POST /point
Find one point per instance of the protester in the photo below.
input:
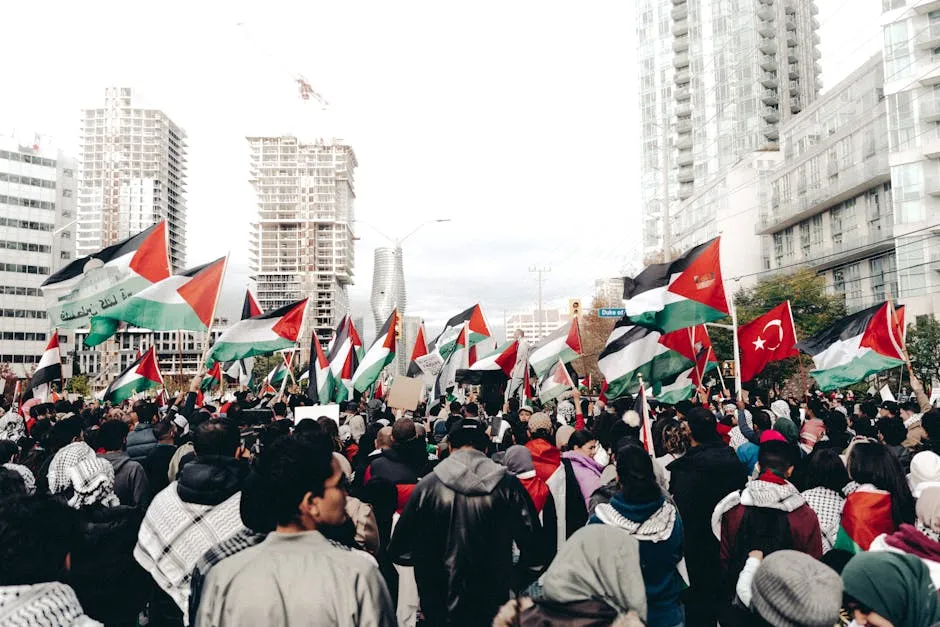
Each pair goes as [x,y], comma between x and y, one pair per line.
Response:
[401,464]
[259,585]
[458,530]
[142,440]
[157,462]
[791,589]
[890,589]
[587,471]
[925,472]
[823,483]
[892,433]
[642,511]
[922,540]
[518,461]
[701,478]
[130,480]
[748,451]
[193,514]
[545,455]
[911,416]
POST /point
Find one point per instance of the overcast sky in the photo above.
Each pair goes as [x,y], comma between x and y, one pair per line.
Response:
[516,120]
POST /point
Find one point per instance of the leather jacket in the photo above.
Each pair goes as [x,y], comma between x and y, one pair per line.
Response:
[458,531]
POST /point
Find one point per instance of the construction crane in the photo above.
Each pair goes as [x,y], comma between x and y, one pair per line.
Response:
[306,89]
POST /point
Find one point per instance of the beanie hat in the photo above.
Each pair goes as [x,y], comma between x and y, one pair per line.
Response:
[925,472]
[563,435]
[540,422]
[771,436]
[793,589]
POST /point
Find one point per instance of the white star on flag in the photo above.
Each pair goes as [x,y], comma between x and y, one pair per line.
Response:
[759,343]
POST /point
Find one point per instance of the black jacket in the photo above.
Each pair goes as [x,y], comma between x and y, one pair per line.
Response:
[211,479]
[157,466]
[458,530]
[110,584]
[141,441]
[699,480]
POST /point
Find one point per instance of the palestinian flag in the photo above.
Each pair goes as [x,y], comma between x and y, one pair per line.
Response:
[694,344]
[250,307]
[633,352]
[48,370]
[679,294]
[269,332]
[556,383]
[602,397]
[276,376]
[381,354]
[80,290]
[420,350]
[865,516]
[213,378]
[477,331]
[456,361]
[564,344]
[319,376]
[856,347]
[680,388]
[143,374]
[185,301]
[495,367]
[344,359]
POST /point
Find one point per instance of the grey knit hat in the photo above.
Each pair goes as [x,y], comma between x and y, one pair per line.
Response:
[793,589]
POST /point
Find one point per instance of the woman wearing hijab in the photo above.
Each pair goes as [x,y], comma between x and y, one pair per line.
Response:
[518,461]
[593,581]
[110,585]
[580,454]
[890,589]
[922,539]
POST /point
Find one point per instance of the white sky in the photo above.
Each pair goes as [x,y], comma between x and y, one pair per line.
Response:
[517,120]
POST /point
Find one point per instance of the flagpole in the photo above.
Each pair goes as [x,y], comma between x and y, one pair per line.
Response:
[698,374]
[799,353]
[721,377]
[737,349]
[218,293]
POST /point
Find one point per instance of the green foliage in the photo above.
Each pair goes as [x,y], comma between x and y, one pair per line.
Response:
[923,345]
[80,385]
[263,365]
[813,310]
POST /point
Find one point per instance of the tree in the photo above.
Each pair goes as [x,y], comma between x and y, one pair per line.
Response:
[594,333]
[264,364]
[923,345]
[9,378]
[80,385]
[813,310]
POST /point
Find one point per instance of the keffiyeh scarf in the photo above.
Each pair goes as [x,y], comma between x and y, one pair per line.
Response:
[28,479]
[42,605]
[656,528]
[777,495]
[91,478]
[12,426]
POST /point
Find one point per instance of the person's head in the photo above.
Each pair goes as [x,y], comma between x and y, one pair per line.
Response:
[872,463]
[930,421]
[525,412]
[518,460]
[280,410]
[540,426]
[383,439]
[635,472]
[702,426]
[824,468]
[11,483]
[513,404]
[216,438]
[8,450]
[468,433]
[471,410]
[583,443]
[329,427]
[404,430]
[308,488]
[64,432]
[165,431]
[63,406]
[675,436]
[884,588]
[455,407]
[562,434]
[928,511]
[909,409]
[145,411]
[891,431]
[112,435]
[778,458]
[888,409]
[763,420]
[683,408]
[815,409]
[791,588]
[38,534]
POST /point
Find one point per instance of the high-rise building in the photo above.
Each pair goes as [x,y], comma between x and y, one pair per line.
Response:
[132,173]
[535,327]
[830,207]
[37,238]
[716,83]
[388,292]
[912,91]
[302,243]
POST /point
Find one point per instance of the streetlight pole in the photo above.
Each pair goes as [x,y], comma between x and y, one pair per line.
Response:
[667,230]
[540,271]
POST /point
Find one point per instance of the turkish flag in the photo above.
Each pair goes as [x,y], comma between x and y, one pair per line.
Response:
[770,337]
[695,344]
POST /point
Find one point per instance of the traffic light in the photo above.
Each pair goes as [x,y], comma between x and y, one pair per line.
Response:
[398,327]
[574,307]
[727,369]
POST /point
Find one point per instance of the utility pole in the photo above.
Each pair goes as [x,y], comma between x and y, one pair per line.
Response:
[667,231]
[540,271]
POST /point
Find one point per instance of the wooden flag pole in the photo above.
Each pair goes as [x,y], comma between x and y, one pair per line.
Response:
[218,293]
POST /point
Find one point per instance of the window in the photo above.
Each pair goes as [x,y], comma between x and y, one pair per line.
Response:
[902,133]
[897,50]
[912,269]
[907,187]
[68,172]
[65,254]
[883,274]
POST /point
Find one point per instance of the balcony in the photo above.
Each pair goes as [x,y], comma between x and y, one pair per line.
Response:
[794,88]
[848,184]
[684,126]
[685,158]
[766,14]
[849,248]
[931,75]
[680,27]
[770,131]
[684,143]
[767,46]
[769,79]
[680,12]
[793,70]
[929,111]
[678,2]
[684,110]
[685,175]
[680,44]
[790,24]
[768,62]
[928,38]
[680,60]
[767,30]
[682,94]
[931,147]
[932,186]
[686,190]
[923,7]
[682,77]
[771,115]
[769,96]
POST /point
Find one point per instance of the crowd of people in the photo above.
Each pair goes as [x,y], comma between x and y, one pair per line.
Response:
[818,511]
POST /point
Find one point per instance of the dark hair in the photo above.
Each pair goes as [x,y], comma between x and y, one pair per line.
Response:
[308,426]
[78,405]
[330,428]
[684,407]
[471,410]
[675,439]
[872,462]
[233,413]
[111,435]
[145,411]
[468,432]
[11,483]
[38,533]
[635,472]
[777,457]
[762,419]
[514,404]
[216,437]
[703,425]
[8,449]
[579,438]
[892,430]
[403,430]
[64,432]
[293,467]
[930,421]
[62,406]
[910,406]
[824,468]
[162,428]
[280,409]
[869,410]
[816,407]
[455,407]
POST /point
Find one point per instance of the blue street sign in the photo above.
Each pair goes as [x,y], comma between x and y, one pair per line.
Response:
[611,312]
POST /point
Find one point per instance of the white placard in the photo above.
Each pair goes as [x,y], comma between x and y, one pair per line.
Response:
[314,412]
[886,394]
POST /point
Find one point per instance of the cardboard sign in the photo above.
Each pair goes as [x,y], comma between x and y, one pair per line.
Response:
[317,411]
[886,394]
[405,393]
[430,364]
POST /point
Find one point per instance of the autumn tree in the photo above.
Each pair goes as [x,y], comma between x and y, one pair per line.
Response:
[264,364]
[594,333]
[80,385]
[923,345]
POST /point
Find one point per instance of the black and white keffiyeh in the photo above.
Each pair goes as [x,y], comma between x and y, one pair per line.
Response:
[828,507]
[42,605]
[656,528]
[91,478]
[12,426]
[28,479]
